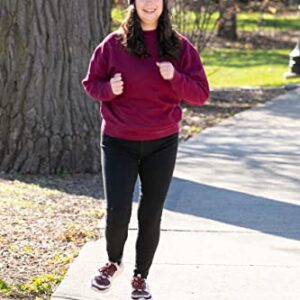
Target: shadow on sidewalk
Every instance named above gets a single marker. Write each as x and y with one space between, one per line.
280 108
235 208
270 216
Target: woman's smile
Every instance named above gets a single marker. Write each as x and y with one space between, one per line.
149 12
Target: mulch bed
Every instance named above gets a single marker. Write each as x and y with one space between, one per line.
45 220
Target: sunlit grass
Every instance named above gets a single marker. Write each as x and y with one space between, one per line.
231 67
254 21
245 21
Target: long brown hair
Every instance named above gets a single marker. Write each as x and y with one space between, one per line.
132 37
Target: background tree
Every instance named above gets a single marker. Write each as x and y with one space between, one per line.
47 123
227 23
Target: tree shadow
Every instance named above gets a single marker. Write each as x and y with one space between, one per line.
279 108
89 185
281 24
235 208
196 199
231 207
275 160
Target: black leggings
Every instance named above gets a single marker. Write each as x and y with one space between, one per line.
122 161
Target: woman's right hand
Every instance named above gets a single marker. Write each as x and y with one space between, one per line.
117 84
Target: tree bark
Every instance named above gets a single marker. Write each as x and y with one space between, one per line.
47 123
227 24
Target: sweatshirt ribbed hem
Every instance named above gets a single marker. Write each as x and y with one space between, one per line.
153 134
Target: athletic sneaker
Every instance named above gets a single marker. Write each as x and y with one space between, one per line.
105 275
140 288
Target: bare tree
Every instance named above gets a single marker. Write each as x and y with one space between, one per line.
194 19
47 123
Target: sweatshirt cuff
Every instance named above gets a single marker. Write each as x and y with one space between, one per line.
176 77
109 95
175 81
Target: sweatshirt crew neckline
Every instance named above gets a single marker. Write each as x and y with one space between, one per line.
150 32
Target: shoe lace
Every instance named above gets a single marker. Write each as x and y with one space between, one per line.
138 283
108 270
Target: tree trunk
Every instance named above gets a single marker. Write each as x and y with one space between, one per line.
227 24
47 123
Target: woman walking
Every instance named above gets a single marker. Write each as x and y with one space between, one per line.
140 73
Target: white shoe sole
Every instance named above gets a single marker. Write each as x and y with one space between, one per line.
106 289
142 298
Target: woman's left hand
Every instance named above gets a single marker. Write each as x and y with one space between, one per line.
166 70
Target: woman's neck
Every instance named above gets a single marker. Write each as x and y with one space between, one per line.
149 27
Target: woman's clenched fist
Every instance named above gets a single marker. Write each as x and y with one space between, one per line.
166 70
117 84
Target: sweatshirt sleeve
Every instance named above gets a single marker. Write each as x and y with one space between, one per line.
190 83
96 82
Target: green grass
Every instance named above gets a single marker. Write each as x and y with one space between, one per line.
250 22
117 16
36 286
246 21
39 285
231 67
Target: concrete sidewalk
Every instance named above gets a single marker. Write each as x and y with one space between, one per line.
231 224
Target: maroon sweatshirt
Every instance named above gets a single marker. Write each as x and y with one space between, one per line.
149 107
